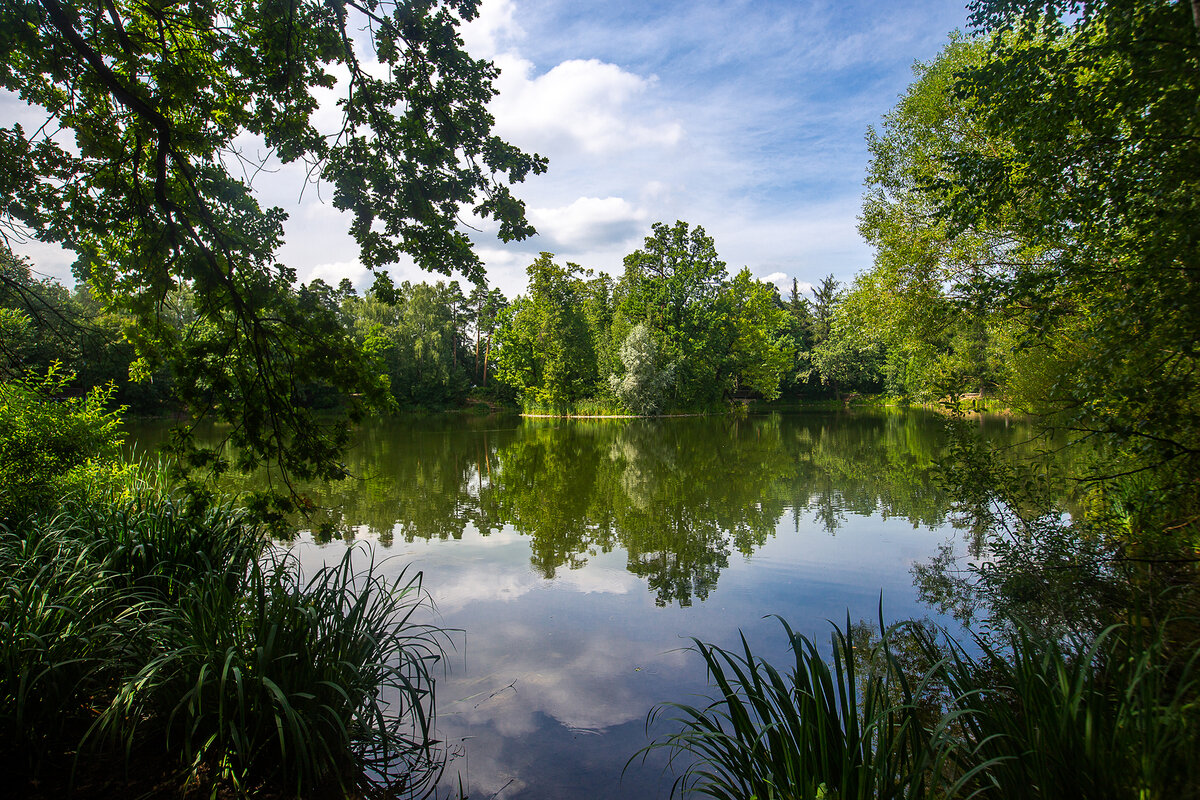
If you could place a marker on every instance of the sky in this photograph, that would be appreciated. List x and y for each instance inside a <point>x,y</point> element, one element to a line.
<point>745,117</point>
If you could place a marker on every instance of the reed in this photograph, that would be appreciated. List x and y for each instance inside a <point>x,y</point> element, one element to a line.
<point>291,682</point>
<point>62,625</point>
<point>822,729</point>
<point>158,634</point>
<point>1035,720</point>
<point>1119,719</point>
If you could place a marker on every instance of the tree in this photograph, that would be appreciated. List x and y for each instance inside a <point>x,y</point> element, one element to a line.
<point>416,338</point>
<point>487,304</point>
<point>825,299</point>
<point>850,356</point>
<point>1060,156</point>
<point>1097,104</point>
<point>762,351</point>
<point>646,378</point>
<point>925,295</point>
<point>672,284</point>
<point>546,352</point>
<point>37,321</point>
<point>158,100</point>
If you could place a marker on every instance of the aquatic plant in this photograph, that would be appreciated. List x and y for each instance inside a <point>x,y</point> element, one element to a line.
<point>158,634</point>
<point>1033,721</point>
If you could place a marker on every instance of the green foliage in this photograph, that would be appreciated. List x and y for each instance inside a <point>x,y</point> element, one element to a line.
<point>822,730</point>
<point>1029,721</point>
<point>761,352</point>
<point>280,679</point>
<point>155,100</point>
<point>570,339</point>
<point>546,350</point>
<point>144,630</point>
<point>1031,204</point>
<point>54,447</point>
<point>195,644</point>
<point>850,355</point>
<point>1039,721</point>
<point>61,624</point>
<point>925,295</point>
<point>415,333</point>
<point>1107,98</point>
<point>646,378</point>
<point>674,284</point>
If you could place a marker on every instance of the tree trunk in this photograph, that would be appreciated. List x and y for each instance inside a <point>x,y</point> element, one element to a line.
<point>486,353</point>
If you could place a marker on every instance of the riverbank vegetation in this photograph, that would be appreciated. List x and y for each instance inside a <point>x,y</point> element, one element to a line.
<point>1032,202</point>
<point>155,643</point>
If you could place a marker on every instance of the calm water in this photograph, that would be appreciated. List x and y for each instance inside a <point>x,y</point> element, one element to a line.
<point>578,557</point>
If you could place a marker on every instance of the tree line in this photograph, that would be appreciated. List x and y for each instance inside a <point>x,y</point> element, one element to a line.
<point>675,331</point>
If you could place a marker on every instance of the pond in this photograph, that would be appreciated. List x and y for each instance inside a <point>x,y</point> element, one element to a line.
<point>576,558</point>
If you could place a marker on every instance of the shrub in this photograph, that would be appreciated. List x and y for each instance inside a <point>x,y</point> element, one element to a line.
<point>53,447</point>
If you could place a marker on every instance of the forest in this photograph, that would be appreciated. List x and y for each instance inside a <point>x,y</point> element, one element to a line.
<point>1032,204</point>
<point>674,333</point>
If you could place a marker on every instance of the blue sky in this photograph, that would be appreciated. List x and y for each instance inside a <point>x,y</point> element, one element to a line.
<point>747,118</point>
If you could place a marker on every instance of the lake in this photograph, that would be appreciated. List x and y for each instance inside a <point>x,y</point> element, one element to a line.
<point>576,559</point>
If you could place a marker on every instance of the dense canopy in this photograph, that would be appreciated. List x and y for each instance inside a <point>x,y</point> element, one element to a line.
<point>144,168</point>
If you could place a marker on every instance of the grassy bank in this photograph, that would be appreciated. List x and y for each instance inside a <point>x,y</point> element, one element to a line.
<point>154,645</point>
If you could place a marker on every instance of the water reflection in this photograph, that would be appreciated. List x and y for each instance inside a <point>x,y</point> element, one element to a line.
<point>576,558</point>
<point>677,496</point>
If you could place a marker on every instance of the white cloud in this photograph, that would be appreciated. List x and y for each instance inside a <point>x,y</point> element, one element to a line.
<point>490,33</point>
<point>590,222</point>
<point>333,273</point>
<point>582,104</point>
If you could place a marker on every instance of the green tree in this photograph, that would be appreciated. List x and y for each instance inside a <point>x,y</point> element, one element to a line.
<point>1097,104</point>
<point>416,335</point>
<point>546,351</point>
<point>761,352</point>
<point>486,305</point>
<point>38,322</point>
<point>850,356</point>
<point>673,285</point>
<point>925,294</point>
<point>826,295</point>
<point>645,378</point>
<point>157,100</point>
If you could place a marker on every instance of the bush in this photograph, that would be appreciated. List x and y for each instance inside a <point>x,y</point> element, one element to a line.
<point>53,447</point>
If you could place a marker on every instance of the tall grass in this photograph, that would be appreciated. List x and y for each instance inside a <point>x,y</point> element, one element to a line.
<point>822,729</point>
<point>1120,720</point>
<point>61,624</point>
<point>155,633</point>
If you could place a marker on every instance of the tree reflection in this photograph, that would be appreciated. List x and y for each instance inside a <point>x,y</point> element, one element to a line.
<point>678,496</point>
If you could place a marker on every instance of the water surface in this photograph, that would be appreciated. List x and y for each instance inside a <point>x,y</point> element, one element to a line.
<point>577,558</point>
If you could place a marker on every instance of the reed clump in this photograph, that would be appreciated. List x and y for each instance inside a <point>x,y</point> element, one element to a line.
<point>158,644</point>
<point>146,632</point>
<point>1119,719</point>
